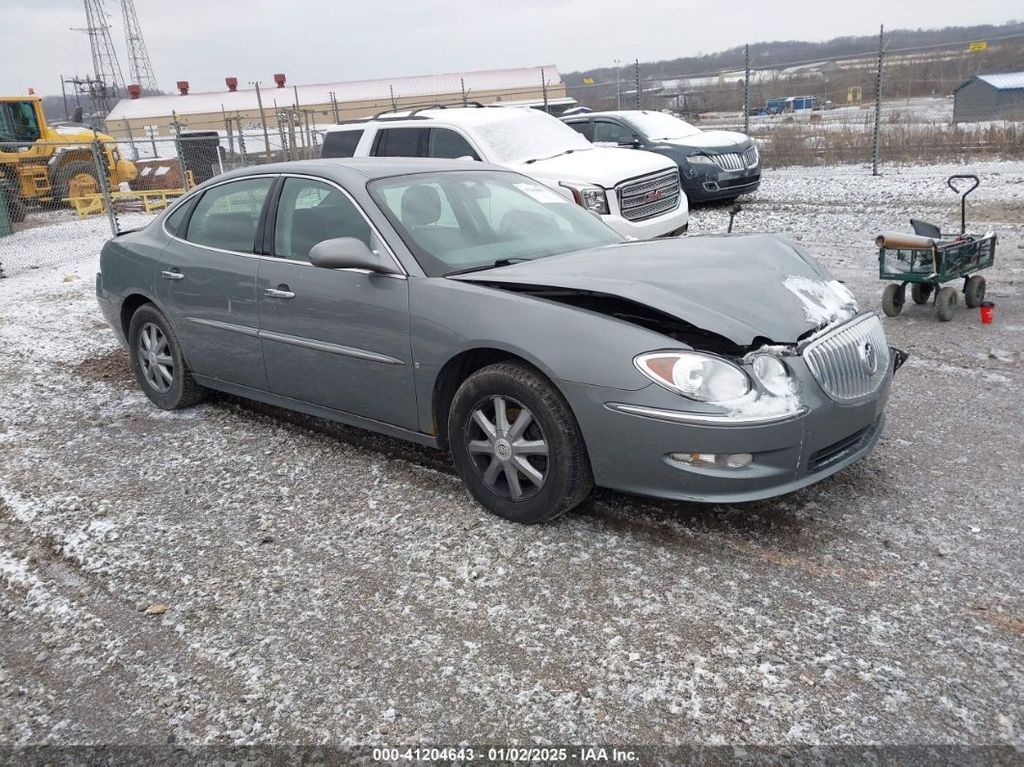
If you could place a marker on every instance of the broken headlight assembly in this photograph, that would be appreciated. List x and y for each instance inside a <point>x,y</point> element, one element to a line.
<point>773,375</point>
<point>696,375</point>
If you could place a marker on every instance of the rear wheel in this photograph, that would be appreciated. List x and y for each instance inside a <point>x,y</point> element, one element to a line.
<point>974,291</point>
<point>893,298</point>
<point>517,445</point>
<point>74,179</point>
<point>157,361</point>
<point>946,302</point>
<point>921,292</point>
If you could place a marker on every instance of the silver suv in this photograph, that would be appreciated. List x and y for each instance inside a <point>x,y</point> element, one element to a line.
<point>636,193</point>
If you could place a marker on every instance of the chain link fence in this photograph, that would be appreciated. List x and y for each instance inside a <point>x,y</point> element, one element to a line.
<point>60,202</point>
<point>956,102</point>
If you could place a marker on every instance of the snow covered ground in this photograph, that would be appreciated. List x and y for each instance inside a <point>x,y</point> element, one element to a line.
<point>237,574</point>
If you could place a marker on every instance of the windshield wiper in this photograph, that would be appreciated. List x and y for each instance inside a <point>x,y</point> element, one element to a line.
<point>552,157</point>
<point>499,262</point>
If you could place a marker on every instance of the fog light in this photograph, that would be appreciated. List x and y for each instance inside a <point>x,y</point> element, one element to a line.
<point>714,460</point>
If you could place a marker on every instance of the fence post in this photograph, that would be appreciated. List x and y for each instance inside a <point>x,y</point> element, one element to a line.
<point>179,148</point>
<point>746,90</point>
<point>462,83</point>
<point>263,119</point>
<point>636,77</point>
<point>878,102</point>
<point>131,140</point>
<point>101,177</point>
<point>544,89</point>
<point>334,104</point>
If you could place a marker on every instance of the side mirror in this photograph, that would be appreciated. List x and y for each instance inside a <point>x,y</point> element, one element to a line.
<point>349,253</point>
<point>630,141</point>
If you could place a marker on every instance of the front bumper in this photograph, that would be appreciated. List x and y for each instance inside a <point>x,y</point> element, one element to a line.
<point>648,229</point>
<point>704,183</point>
<point>629,451</point>
<point>110,308</point>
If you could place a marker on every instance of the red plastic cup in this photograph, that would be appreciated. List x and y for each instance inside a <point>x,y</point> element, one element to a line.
<point>987,310</point>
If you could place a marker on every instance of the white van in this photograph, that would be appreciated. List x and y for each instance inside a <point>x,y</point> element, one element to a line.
<point>636,193</point>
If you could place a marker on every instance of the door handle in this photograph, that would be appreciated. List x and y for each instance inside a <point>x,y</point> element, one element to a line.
<point>172,275</point>
<point>278,293</point>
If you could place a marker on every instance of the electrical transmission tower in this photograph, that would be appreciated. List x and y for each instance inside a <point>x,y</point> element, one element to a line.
<point>140,69</point>
<point>105,66</point>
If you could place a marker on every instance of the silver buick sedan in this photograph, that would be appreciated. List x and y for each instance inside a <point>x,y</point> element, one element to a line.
<point>473,309</point>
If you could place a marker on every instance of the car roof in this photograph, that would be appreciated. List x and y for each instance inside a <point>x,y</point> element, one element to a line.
<point>370,168</point>
<point>456,115</point>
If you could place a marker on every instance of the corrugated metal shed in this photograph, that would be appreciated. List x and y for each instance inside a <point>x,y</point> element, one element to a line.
<point>524,79</point>
<point>986,98</point>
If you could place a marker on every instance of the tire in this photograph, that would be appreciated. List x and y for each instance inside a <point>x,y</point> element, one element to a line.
<point>67,171</point>
<point>487,461</point>
<point>149,328</point>
<point>893,298</point>
<point>946,302</point>
<point>974,291</point>
<point>921,292</point>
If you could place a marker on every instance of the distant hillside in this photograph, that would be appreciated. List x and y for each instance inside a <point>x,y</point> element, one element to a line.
<point>779,53</point>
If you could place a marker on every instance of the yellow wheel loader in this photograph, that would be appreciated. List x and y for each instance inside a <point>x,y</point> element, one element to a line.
<point>51,164</point>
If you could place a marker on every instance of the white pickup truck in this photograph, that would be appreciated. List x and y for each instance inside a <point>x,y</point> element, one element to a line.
<point>636,193</point>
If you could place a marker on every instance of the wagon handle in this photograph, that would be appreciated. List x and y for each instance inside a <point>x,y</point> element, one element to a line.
<point>963,196</point>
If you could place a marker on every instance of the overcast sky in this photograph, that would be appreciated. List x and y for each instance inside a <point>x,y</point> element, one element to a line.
<point>327,40</point>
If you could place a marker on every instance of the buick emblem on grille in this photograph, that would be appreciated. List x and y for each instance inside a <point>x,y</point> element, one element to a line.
<point>868,358</point>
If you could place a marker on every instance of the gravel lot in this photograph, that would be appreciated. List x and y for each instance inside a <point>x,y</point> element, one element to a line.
<point>236,574</point>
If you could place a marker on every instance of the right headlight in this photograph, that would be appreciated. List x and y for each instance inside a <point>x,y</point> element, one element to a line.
<point>699,376</point>
<point>699,159</point>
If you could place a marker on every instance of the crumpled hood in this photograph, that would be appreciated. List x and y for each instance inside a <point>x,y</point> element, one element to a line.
<point>714,141</point>
<point>599,165</point>
<point>742,287</point>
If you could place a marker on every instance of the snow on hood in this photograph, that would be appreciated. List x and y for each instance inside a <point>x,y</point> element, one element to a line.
<point>747,288</point>
<point>712,139</point>
<point>596,165</point>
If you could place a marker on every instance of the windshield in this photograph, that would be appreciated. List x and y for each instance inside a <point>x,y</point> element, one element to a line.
<point>463,220</point>
<point>18,121</point>
<point>658,125</point>
<point>518,135</point>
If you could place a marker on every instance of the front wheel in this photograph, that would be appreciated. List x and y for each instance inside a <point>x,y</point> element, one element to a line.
<point>893,298</point>
<point>974,291</point>
<point>157,361</point>
<point>921,292</point>
<point>946,302</point>
<point>517,445</point>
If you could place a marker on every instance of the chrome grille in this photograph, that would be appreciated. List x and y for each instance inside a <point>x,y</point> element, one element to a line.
<point>649,196</point>
<point>729,161</point>
<point>750,157</point>
<point>839,359</point>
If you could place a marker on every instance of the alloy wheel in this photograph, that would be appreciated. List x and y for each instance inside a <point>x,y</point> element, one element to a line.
<point>155,358</point>
<point>507,447</point>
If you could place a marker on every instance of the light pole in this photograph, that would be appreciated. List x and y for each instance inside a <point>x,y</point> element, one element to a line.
<point>618,83</point>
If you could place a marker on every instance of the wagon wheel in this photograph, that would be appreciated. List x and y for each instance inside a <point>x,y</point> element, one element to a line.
<point>921,292</point>
<point>974,291</point>
<point>893,298</point>
<point>946,302</point>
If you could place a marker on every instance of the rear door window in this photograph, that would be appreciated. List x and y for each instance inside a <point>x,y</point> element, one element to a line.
<point>228,215</point>
<point>341,143</point>
<point>401,142</point>
<point>444,142</point>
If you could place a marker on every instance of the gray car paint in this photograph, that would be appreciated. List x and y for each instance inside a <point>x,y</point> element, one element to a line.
<point>587,356</point>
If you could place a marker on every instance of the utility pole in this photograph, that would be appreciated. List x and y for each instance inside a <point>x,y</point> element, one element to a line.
<point>140,68</point>
<point>746,90</point>
<point>263,118</point>
<point>618,83</point>
<point>636,76</point>
<point>878,102</point>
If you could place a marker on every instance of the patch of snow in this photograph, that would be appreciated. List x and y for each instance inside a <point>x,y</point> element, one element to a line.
<point>824,302</point>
